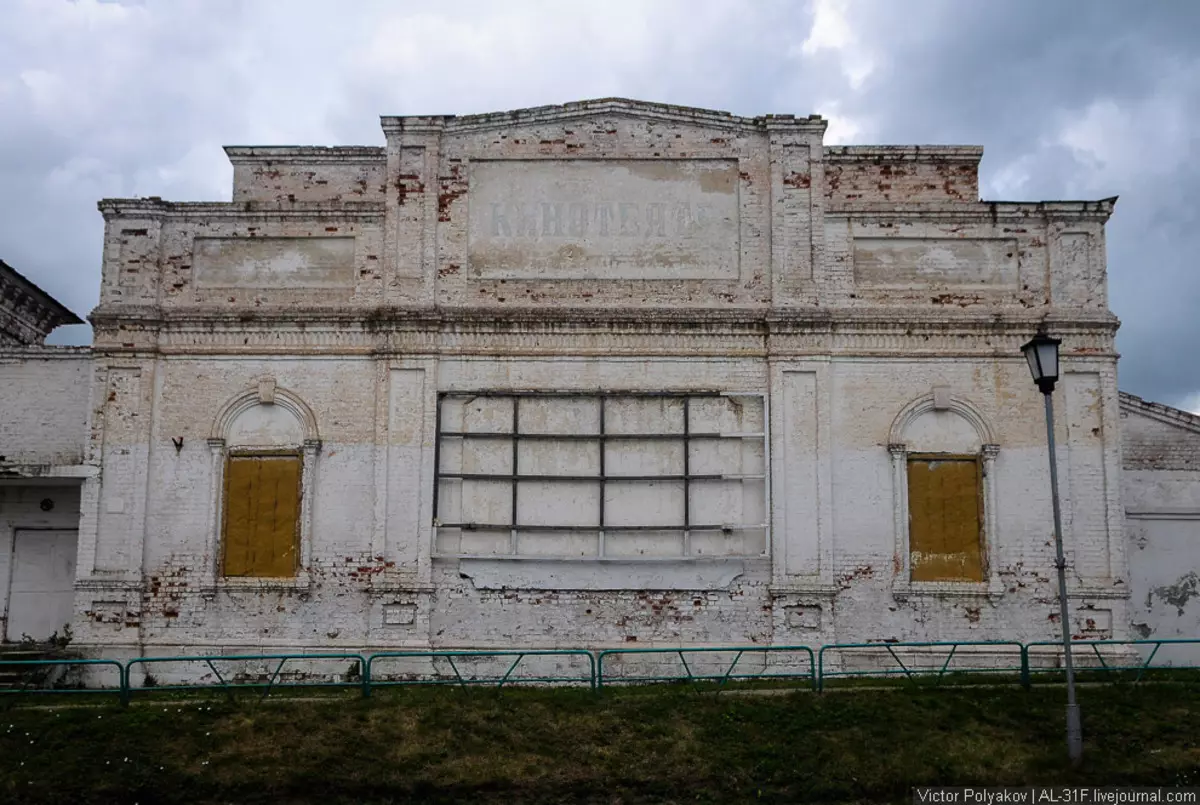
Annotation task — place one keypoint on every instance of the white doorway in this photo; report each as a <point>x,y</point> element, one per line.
<point>41,593</point>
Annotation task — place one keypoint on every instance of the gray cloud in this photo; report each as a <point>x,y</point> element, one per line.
<point>1071,100</point>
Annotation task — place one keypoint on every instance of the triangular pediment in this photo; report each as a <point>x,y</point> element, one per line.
<point>600,108</point>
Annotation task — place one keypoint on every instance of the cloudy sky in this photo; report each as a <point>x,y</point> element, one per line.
<point>1071,99</point>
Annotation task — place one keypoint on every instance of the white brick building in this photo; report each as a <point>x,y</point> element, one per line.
<point>603,374</point>
<point>43,429</point>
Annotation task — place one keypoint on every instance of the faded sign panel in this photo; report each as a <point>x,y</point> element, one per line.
<point>604,219</point>
<point>274,262</point>
<point>935,261</point>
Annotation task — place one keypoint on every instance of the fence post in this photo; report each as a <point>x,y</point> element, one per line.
<point>1026,681</point>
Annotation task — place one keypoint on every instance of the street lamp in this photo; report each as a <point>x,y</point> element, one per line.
<point>1042,355</point>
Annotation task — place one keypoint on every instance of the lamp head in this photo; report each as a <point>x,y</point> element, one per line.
<point>1042,355</point>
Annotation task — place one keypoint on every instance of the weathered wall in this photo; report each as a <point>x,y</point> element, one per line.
<point>228,258</point>
<point>308,174</point>
<point>971,260</point>
<point>1161,495</point>
<point>606,246</point>
<point>44,397</point>
<point>932,175</point>
<point>851,549</point>
<point>833,574</point>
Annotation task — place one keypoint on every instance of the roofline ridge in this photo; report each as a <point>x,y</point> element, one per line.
<point>1168,414</point>
<point>67,315</point>
<point>574,109</point>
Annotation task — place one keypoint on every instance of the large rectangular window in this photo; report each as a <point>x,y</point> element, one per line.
<point>601,475</point>
<point>944,511</point>
<point>262,515</point>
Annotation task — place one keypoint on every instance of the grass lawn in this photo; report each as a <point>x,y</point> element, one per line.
<point>662,745</point>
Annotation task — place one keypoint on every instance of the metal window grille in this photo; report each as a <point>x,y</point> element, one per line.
<point>604,474</point>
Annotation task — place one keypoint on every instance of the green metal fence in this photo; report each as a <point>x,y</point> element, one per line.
<point>897,666</point>
<point>707,656</point>
<point>460,661</point>
<point>1084,651</point>
<point>357,668</point>
<point>721,665</point>
<point>30,667</point>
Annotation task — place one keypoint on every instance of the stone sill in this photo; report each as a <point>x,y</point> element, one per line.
<point>300,583</point>
<point>1097,589</point>
<point>802,589</point>
<point>947,589</point>
<point>594,573</point>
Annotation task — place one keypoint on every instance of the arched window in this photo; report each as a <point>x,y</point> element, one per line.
<point>264,444</point>
<point>943,461</point>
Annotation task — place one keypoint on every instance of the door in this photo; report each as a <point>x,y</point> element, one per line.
<point>41,594</point>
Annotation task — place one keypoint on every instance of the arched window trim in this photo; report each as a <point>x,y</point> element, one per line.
<point>902,584</point>
<point>264,392</point>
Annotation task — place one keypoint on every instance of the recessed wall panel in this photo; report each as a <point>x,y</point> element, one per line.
<point>278,263</point>
<point>604,219</point>
<point>906,262</point>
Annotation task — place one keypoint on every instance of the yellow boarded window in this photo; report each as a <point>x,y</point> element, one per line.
<point>944,533</point>
<point>262,515</point>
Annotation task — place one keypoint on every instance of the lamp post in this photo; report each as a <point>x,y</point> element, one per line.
<point>1042,354</point>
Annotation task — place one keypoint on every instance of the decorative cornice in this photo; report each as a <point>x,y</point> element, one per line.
<point>154,208</point>
<point>306,155</point>
<point>596,319</point>
<point>642,110</point>
<point>978,212</point>
<point>1085,337</point>
<point>433,331</point>
<point>27,313</point>
<point>887,154</point>
<point>42,352</point>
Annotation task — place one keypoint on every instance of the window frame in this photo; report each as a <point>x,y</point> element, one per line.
<point>903,585</point>
<point>687,478</point>
<point>250,453</point>
<point>981,537</point>
<point>215,566</point>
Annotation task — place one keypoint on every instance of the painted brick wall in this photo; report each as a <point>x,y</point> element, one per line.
<point>847,314</point>
<point>1161,495</point>
<point>362,565</point>
<point>1156,437</point>
<point>44,397</point>
<point>901,174</point>
<point>283,175</point>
